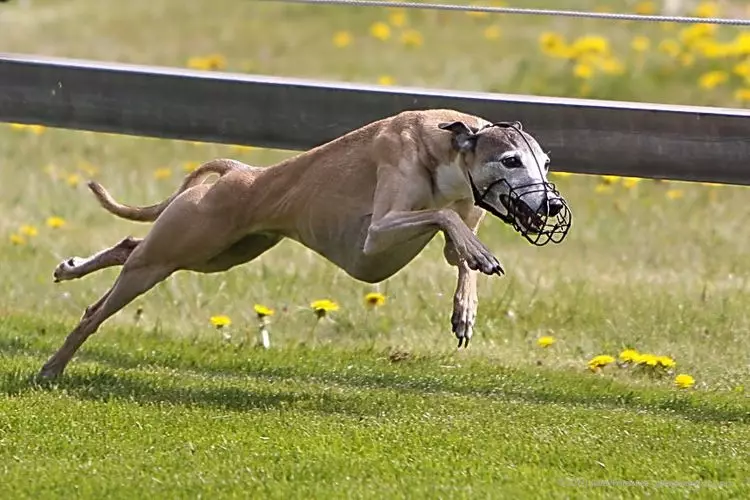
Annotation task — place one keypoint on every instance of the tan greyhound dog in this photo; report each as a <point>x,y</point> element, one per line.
<point>369,202</point>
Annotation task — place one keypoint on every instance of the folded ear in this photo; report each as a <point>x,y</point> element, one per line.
<point>464,138</point>
<point>516,125</point>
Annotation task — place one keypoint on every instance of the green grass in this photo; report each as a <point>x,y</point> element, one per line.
<point>146,414</point>
<point>166,405</point>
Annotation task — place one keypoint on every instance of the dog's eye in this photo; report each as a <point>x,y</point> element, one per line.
<point>512,162</point>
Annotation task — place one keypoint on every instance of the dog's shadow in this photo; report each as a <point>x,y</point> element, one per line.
<point>104,385</point>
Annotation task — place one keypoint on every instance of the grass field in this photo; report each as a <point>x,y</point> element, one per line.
<point>373,402</point>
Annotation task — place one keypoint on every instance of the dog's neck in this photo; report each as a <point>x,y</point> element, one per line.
<point>451,182</point>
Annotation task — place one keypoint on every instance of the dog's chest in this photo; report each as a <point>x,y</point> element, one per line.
<point>450,185</point>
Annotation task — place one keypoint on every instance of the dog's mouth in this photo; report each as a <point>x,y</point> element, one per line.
<point>523,216</point>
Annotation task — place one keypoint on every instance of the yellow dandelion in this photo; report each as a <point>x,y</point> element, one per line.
<point>545,341</point>
<point>640,43</point>
<point>645,8</point>
<point>553,45</point>
<point>675,194</point>
<point>670,47</point>
<point>385,80</point>
<point>612,66</point>
<point>665,361</point>
<point>162,173</point>
<point>684,381</point>
<point>220,321</point>
<point>374,299</point>
<point>17,239</point>
<point>342,39</point>
<point>55,222</point>
<point>28,230</point>
<point>397,18</point>
<point>35,129</point>
<point>323,307</point>
<point>242,149</point>
<point>560,175</point>
<point>742,69</point>
<point>707,9</point>
<point>610,179</point>
<point>600,361</point>
<point>696,32</point>
<point>603,188</point>
<point>491,33</point>
<point>190,166</point>
<point>381,31</point>
<point>741,44</point>
<point>208,63</point>
<point>629,356</point>
<point>591,44</point>
<point>646,359</point>
<point>411,38</point>
<point>72,180</point>
<point>262,311</point>
<point>583,71</point>
<point>742,95</point>
<point>630,182</point>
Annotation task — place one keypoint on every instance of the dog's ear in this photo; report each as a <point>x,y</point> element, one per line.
<point>516,125</point>
<point>464,138</point>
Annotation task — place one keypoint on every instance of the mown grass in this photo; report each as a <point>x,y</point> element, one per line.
<point>162,403</point>
<point>145,413</point>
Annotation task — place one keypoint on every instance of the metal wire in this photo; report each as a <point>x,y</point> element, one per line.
<point>531,12</point>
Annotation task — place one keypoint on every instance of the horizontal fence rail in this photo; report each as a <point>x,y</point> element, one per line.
<point>584,136</point>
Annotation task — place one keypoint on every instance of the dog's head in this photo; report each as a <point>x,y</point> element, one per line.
<point>507,170</point>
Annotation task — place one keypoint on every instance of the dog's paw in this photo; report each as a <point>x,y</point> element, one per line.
<point>479,258</point>
<point>462,320</point>
<point>66,270</point>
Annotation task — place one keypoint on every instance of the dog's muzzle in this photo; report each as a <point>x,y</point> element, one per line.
<point>550,223</point>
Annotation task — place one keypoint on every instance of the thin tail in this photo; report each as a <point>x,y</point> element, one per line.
<point>151,212</point>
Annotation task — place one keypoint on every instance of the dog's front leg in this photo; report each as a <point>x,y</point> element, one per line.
<point>397,227</point>
<point>465,298</point>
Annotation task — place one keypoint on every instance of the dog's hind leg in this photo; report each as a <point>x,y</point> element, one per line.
<point>133,281</point>
<point>78,267</point>
<point>243,251</point>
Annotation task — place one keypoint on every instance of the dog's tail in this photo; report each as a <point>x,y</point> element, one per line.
<point>151,212</point>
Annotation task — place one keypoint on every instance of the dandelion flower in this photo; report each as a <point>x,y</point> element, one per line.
<point>610,179</point>
<point>220,321</point>
<point>742,95</point>
<point>208,63</point>
<point>591,44</point>
<point>411,38</point>
<point>28,230</point>
<point>55,222</point>
<point>670,47</point>
<point>385,80</point>
<point>561,175</point>
<point>397,18</point>
<point>645,8</point>
<point>242,149</point>
<point>73,180</point>
<point>629,356</point>
<point>262,311</point>
<point>190,166</point>
<point>646,359</point>
<point>712,79</point>
<point>707,9</point>
<point>545,341</point>
<point>684,381</point>
<point>17,239</point>
<point>491,33</point>
<point>162,173</point>
<point>675,194</point>
<point>640,43</point>
<point>600,361</point>
<point>381,31</point>
<point>603,188</point>
<point>630,182</point>
<point>374,299</point>
<point>665,361</point>
<point>342,39</point>
<point>323,307</point>
<point>583,71</point>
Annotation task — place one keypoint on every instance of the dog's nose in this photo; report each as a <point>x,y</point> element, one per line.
<point>552,207</point>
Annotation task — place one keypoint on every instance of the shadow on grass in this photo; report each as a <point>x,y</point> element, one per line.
<point>497,383</point>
